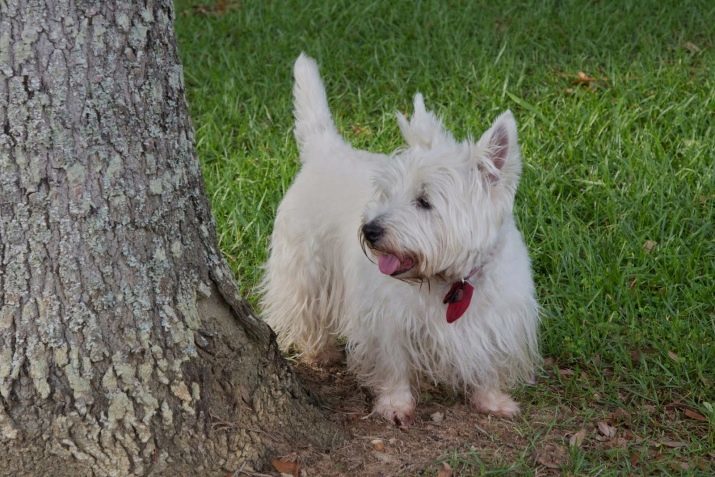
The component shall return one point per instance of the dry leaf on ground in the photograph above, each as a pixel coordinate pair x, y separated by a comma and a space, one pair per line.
606, 430
445, 471
672, 444
552, 456
359, 130
692, 47
617, 443
620, 415
219, 7
378, 444
649, 245
584, 79
695, 415
577, 438
286, 466
384, 457
674, 356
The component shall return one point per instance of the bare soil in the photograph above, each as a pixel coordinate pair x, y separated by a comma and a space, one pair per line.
538, 442
444, 425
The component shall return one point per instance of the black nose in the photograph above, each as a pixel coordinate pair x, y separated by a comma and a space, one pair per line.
372, 231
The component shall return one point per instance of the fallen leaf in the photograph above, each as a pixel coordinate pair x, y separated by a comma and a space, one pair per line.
674, 356
629, 436
672, 444
378, 444
437, 417
552, 456
285, 466
577, 438
584, 79
220, 7
360, 130
620, 415
384, 457
606, 430
635, 458
617, 443
445, 471
566, 372
649, 245
695, 415
692, 47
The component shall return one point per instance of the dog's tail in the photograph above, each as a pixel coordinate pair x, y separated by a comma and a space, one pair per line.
312, 114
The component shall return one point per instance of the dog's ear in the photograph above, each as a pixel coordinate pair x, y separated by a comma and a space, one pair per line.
424, 130
498, 154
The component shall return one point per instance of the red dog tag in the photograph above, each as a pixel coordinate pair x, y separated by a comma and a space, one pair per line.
459, 297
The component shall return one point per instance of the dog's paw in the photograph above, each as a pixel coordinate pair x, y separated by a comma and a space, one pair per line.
495, 403
396, 407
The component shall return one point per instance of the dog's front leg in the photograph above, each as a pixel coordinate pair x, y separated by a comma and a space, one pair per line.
394, 400
396, 404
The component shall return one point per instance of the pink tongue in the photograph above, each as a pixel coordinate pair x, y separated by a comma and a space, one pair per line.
388, 264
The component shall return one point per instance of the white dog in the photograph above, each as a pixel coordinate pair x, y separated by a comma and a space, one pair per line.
414, 258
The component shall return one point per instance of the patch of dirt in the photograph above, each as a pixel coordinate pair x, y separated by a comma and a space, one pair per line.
564, 425
444, 424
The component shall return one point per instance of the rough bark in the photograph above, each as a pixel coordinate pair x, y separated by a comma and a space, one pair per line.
124, 346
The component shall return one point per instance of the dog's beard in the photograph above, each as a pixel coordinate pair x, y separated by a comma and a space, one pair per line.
417, 272
390, 262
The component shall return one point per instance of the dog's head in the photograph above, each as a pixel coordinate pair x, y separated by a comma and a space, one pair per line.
439, 203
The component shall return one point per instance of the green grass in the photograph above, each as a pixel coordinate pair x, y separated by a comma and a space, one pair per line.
609, 167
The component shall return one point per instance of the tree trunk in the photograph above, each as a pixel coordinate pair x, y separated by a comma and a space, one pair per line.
124, 346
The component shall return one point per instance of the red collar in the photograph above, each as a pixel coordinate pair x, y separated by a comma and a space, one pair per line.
459, 297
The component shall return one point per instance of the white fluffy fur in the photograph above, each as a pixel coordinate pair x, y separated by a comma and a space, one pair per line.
319, 283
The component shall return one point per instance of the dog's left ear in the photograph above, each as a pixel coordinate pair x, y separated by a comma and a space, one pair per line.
424, 130
499, 157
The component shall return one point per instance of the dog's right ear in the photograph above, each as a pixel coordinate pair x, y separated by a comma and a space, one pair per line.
424, 130
498, 153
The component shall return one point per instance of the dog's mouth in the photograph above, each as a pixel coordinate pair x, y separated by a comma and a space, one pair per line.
393, 265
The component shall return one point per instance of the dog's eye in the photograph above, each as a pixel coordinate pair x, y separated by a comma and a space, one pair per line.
423, 203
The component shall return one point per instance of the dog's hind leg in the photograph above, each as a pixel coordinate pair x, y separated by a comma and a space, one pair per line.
494, 402
298, 300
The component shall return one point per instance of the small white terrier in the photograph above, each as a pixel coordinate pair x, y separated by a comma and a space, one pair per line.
414, 258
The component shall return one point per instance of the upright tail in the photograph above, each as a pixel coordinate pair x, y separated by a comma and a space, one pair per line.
312, 115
